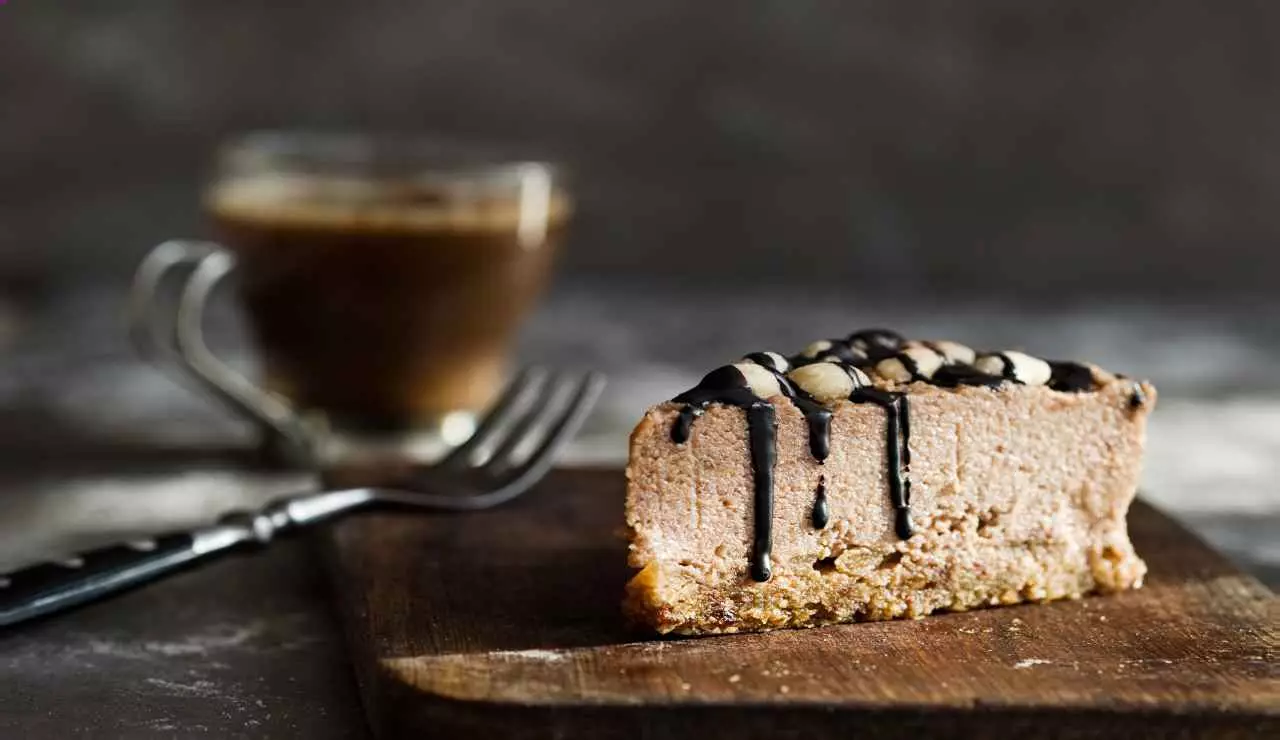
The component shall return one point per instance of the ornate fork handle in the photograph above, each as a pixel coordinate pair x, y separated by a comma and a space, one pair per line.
51, 587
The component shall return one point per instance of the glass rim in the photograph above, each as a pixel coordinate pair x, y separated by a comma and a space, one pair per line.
317, 151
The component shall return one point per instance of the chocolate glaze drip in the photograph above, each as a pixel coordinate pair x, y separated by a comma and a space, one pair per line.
955, 375
1070, 377
897, 452
902, 514
724, 385
684, 423
728, 385
762, 431
819, 419
817, 416
821, 511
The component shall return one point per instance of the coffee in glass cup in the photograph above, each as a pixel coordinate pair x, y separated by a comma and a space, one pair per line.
382, 281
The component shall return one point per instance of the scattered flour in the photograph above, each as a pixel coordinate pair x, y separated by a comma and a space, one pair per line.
197, 689
193, 645
545, 656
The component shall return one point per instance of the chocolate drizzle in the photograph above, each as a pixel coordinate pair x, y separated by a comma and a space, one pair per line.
902, 523
839, 351
722, 385
1070, 377
761, 428
958, 374
818, 417
729, 385
821, 511
1008, 370
897, 452
910, 365
684, 423
763, 359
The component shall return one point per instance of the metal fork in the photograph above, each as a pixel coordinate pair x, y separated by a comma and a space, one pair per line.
514, 446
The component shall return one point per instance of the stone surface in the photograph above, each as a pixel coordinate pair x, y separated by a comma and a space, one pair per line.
245, 648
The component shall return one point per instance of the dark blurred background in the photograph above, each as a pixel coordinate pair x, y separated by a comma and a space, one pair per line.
1088, 179
988, 149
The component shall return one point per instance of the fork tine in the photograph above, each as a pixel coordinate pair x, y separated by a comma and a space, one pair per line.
523, 477
555, 389
574, 413
498, 414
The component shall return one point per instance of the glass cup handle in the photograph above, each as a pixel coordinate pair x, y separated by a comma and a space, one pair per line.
184, 347
146, 329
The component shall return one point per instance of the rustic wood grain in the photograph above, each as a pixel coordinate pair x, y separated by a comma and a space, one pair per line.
506, 623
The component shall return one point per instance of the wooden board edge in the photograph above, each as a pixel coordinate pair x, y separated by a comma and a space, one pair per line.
404, 710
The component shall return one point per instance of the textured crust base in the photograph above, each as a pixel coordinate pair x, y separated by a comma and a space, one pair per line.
864, 585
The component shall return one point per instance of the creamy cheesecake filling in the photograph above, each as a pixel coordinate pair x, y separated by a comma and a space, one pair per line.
830, 370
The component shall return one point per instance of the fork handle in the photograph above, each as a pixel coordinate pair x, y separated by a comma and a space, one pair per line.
46, 588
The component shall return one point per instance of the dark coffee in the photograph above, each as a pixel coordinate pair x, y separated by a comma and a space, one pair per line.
386, 304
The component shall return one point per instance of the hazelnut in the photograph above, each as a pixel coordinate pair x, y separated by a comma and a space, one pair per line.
762, 382
770, 360
954, 352
898, 368
1016, 365
827, 382
1029, 370
816, 348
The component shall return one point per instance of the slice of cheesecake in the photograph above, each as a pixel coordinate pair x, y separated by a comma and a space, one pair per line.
875, 478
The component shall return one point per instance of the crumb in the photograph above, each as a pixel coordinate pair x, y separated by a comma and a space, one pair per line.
686, 686
784, 689
735, 678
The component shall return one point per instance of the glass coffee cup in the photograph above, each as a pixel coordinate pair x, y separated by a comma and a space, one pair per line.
382, 282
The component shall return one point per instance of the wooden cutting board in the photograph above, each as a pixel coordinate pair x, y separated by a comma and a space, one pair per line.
506, 624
